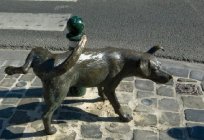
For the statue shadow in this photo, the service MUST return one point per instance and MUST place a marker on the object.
(187, 133)
(32, 110)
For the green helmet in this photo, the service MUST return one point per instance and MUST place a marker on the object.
(75, 25)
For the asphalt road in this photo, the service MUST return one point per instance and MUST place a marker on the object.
(177, 25)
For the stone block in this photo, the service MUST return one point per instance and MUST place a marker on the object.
(192, 102)
(143, 94)
(195, 131)
(12, 98)
(170, 119)
(6, 111)
(198, 75)
(144, 84)
(27, 77)
(118, 128)
(28, 104)
(91, 131)
(165, 91)
(194, 115)
(125, 87)
(144, 119)
(7, 82)
(169, 105)
(144, 135)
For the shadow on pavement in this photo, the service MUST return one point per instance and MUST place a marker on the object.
(31, 110)
(185, 133)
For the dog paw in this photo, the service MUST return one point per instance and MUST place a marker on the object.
(51, 131)
(9, 70)
(126, 117)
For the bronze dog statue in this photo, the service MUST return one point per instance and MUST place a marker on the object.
(103, 68)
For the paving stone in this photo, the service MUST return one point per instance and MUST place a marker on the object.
(144, 119)
(28, 104)
(188, 89)
(70, 136)
(144, 108)
(126, 109)
(6, 111)
(12, 98)
(37, 83)
(15, 76)
(20, 117)
(170, 119)
(34, 92)
(178, 71)
(125, 87)
(192, 102)
(3, 92)
(124, 98)
(165, 91)
(91, 131)
(27, 77)
(118, 128)
(194, 115)
(173, 133)
(21, 83)
(169, 105)
(144, 84)
(12, 132)
(19, 90)
(142, 94)
(195, 131)
(7, 82)
(144, 135)
(198, 75)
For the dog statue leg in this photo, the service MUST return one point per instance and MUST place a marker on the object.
(101, 93)
(109, 91)
(10, 70)
(53, 101)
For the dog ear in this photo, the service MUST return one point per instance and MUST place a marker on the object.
(145, 67)
(155, 49)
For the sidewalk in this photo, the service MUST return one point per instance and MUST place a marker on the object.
(161, 112)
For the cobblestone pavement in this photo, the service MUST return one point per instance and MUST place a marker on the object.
(161, 112)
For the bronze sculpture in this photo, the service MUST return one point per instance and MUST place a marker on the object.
(103, 68)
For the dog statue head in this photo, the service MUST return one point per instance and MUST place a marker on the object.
(151, 68)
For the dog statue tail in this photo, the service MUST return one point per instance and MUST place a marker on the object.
(155, 49)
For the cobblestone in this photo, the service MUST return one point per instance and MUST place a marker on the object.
(12, 132)
(165, 91)
(7, 82)
(12, 98)
(144, 85)
(125, 86)
(169, 105)
(144, 135)
(91, 131)
(170, 119)
(20, 117)
(144, 119)
(193, 102)
(143, 94)
(6, 111)
(194, 115)
(198, 75)
(118, 128)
